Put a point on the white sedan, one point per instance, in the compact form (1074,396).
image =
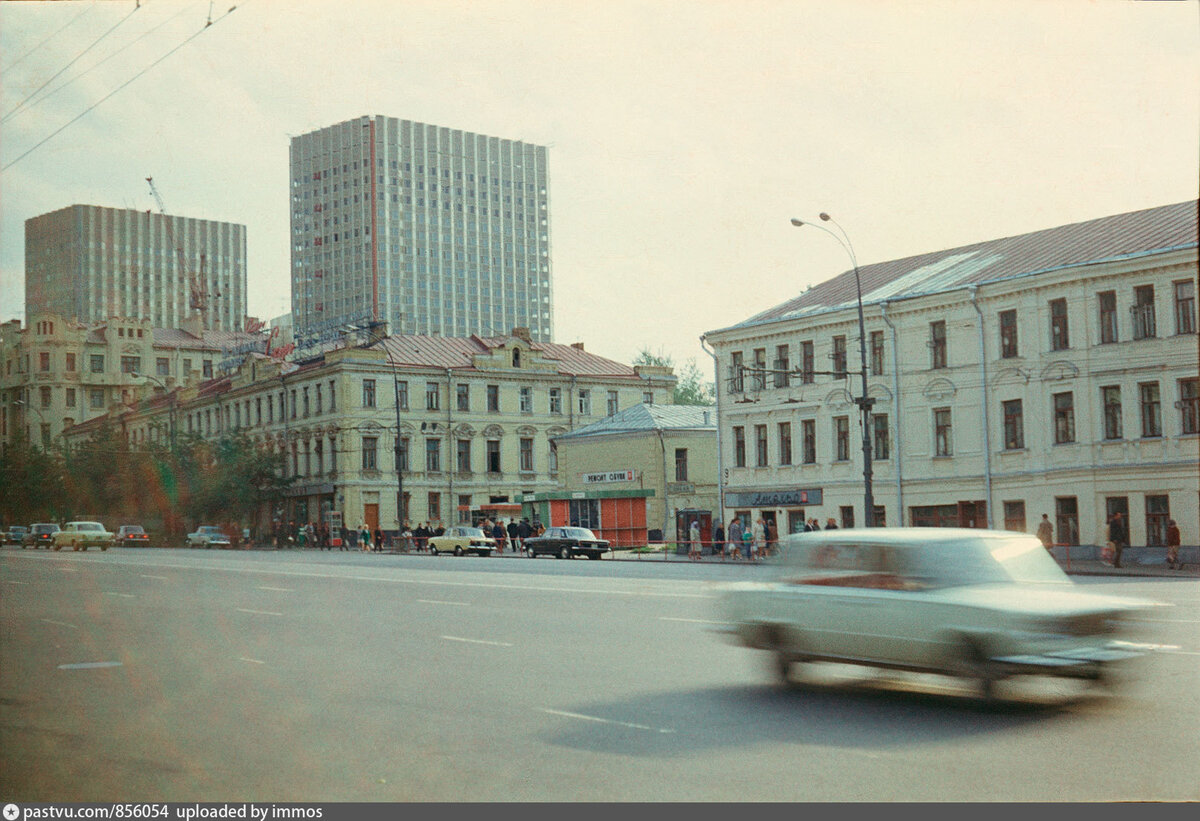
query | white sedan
(460,540)
(979,604)
(82,535)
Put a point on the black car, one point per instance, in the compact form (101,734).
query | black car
(567,543)
(40,535)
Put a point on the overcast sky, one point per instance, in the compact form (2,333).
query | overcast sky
(683,134)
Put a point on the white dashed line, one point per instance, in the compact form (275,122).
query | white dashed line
(436,601)
(252,661)
(90,665)
(159,578)
(278,589)
(691,621)
(598,720)
(122,595)
(478,641)
(60,623)
(11,581)
(258,612)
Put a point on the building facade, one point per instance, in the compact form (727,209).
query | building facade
(632,475)
(436,231)
(1049,373)
(452,423)
(90,263)
(58,373)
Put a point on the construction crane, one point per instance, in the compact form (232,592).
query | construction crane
(197,288)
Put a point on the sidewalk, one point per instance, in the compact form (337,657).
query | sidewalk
(1151,567)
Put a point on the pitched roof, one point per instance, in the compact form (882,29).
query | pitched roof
(457,352)
(646,417)
(1123,236)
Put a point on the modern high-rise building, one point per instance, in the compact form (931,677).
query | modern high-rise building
(434,230)
(91,263)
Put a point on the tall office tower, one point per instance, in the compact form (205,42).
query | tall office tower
(434,230)
(92,263)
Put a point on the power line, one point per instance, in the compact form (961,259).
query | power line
(87,110)
(48,39)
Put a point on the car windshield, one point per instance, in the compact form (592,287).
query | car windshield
(88,526)
(212,531)
(474,532)
(578,533)
(1020,559)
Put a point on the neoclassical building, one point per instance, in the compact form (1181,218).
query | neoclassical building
(454,424)
(1048,373)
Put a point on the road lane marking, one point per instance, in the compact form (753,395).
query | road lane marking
(598,720)
(258,612)
(691,621)
(160,578)
(1168,621)
(11,581)
(278,589)
(438,601)
(60,623)
(90,665)
(123,595)
(252,661)
(1177,652)
(478,641)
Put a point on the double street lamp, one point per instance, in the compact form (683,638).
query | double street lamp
(171,396)
(864,401)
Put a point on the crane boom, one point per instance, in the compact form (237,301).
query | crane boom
(198,295)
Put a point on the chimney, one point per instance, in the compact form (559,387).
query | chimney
(577,346)
(523,334)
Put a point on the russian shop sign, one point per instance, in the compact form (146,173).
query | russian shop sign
(773,498)
(610,476)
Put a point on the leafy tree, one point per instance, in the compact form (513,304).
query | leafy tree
(690,387)
(31,484)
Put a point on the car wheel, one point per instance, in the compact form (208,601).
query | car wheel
(975,665)
(565,553)
(433,551)
(531,553)
(458,551)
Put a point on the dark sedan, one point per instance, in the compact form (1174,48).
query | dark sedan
(567,543)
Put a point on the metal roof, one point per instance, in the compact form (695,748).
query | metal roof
(646,417)
(1123,236)
(457,352)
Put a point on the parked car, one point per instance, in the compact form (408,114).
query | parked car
(567,543)
(40,535)
(208,536)
(459,540)
(16,534)
(82,535)
(132,536)
(978,604)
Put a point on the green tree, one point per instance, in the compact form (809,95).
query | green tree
(690,387)
(31,484)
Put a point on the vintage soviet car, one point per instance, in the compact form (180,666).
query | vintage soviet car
(132,536)
(567,543)
(208,536)
(40,535)
(459,540)
(16,534)
(82,535)
(980,604)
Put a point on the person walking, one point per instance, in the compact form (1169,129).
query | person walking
(378,539)
(758,538)
(1118,535)
(694,540)
(735,539)
(831,524)
(499,534)
(718,539)
(524,531)
(1045,532)
(514,536)
(1173,540)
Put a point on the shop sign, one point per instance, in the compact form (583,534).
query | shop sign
(609,476)
(773,498)
(680,488)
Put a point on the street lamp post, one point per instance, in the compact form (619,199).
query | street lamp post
(26,405)
(864,401)
(171,407)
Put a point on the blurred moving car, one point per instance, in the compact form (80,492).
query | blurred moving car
(40,535)
(82,535)
(132,536)
(567,543)
(208,536)
(459,540)
(16,534)
(978,604)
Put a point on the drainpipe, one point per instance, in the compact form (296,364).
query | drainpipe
(883,308)
(987,444)
(720,456)
(666,496)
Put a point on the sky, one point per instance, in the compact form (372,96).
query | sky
(683,134)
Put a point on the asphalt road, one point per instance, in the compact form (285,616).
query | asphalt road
(191,675)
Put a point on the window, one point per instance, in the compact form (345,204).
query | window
(401,454)
(877,353)
(1185,306)
(807,362)
(401,395)
(432,396)
(760,446)
(96,363)
(434,506)
(493,456)
(70,363)
(1144,326)
(1014,516)
(96,398)
(808,436)
(846,514)
(293,403)
(1108,316)
(647,397)
(526,455)
(370,447)
(739,446)
(44,396)
(612,404)
(1066,516)
(937,344)
(943,433)
(1151,409)
(736,385)
(320,402)
(70,397)
(839,357)
(681,465)
(781,366)
(841,438)
(493,398)
(881,444)
(585,403)
(1060,338)
(1110,397)
(1064,418)
(1158,512)
(1014,425)
(785,443)
(333,396)
(162,366)
(44,361)
(556,400)
(464,456)
(433,455)
(1008,334)
(462,397)
(305,397)
(760,369)
(1189,405)
(206,369)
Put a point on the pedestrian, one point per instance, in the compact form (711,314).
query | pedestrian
(524,531)
(378,539)
(759,539)
(514,536)
(694,540)
(1118,536)
(499,534)
(748,542)
(1173,540)
(772,538)
(351,540)
(718,539)
(1045,531)
(831,524)
(735,539)
(310,534)
(364,536)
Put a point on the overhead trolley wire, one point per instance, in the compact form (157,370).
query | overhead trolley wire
(51,37)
